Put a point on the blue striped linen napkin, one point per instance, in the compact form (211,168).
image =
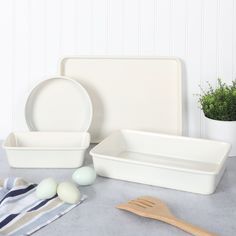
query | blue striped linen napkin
(22,213)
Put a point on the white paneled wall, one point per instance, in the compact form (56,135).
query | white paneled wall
(35,34)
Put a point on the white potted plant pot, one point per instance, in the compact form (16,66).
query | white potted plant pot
(218,104)
(223,131)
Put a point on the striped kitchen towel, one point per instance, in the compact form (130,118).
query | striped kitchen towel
(22,213)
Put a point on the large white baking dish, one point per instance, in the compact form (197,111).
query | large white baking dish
(130,93)
(188,164)
(46,149)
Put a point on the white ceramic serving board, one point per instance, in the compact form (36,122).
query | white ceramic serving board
(130,93)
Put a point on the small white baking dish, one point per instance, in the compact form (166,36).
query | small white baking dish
(46,149)
(182,163)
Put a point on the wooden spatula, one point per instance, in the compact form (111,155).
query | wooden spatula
(154,208)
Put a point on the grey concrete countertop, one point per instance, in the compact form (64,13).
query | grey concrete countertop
(97,216)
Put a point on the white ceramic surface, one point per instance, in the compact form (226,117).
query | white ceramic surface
(46,149)
(222,131)
(182,163)
(58,104)
(131,93)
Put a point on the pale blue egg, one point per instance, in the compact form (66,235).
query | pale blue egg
(47,188)
(84,176)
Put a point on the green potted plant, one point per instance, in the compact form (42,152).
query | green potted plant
(219,107)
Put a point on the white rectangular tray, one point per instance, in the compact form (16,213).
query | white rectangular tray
(188,164)
(46,149)
(130,93)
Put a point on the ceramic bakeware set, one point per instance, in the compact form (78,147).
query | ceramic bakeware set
(58,113)
(127,94)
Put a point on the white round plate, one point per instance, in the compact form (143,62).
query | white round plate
(58,104)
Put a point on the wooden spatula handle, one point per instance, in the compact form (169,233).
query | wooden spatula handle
(189,228)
